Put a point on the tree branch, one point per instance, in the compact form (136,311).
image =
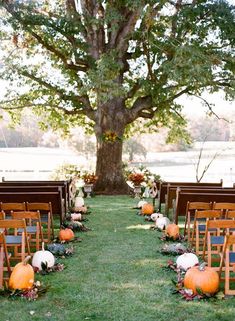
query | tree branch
(84,100)
(67,63)
(141,108)
(81,65)
(133,90)
(208,105)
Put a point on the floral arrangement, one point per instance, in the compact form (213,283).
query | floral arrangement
(89,178)
(110,136)
(149,178)
(136,178)
(66,171)
(31,294)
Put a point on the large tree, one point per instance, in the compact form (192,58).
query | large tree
(106,64)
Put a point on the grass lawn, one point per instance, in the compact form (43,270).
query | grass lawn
(115,274)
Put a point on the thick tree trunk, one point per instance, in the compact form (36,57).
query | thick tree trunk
(109,151)
(109,169)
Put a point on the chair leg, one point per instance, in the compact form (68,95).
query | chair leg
(49,229)
(23,247)
(37,238)
(52,226)
(197,241)
(1,266)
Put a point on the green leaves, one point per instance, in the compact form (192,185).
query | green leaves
(74,65)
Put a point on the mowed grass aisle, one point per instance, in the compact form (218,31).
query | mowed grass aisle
(115,274)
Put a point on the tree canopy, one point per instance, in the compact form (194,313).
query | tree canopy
(108,64)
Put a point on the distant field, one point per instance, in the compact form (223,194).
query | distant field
(38,163)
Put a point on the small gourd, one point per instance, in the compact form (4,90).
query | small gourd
(172,230)
(155,216)
(43,257)
(76,217)
(147,209)
(202,278)
(162,222)
(186,261)
(57,249)
(66,235)
(22,276)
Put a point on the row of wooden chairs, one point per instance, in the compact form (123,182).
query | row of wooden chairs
(202,206)
(212,234)
(219,247)
(21,232)
(45,210)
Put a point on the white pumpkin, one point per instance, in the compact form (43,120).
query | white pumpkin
(141,203)
(43,256)
(76,216)
(162,222)
(156,216)
(79,201)
(186,261)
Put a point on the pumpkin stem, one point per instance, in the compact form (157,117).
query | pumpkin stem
(26,260)
(202,266)
(43,248)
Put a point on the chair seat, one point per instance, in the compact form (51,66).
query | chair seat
(217,240)
(44,219)
(13,239)
(29,229)
(231,257)
(202,228)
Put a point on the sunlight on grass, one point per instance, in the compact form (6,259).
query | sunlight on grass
(144,262)
(140,227)
(127,286)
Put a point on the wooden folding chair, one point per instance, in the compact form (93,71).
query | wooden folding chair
(4,259)
(224,207)
(227,263)
(214,239)
(16,241)
(46,217)
(199,227)
(8,207)
(33,226)
(190,214)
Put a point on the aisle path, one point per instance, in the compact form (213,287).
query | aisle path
(115,274)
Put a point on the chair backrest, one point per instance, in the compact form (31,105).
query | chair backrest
(13,223)
(223,206)
(199,206)
(7,207)
(30,217)
(207,214)
(219,224)
(47,207)
(230,214)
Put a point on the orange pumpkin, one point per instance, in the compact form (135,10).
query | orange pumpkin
(22,276)
(147,209)
(203,278)
(66,235)
(172,230)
